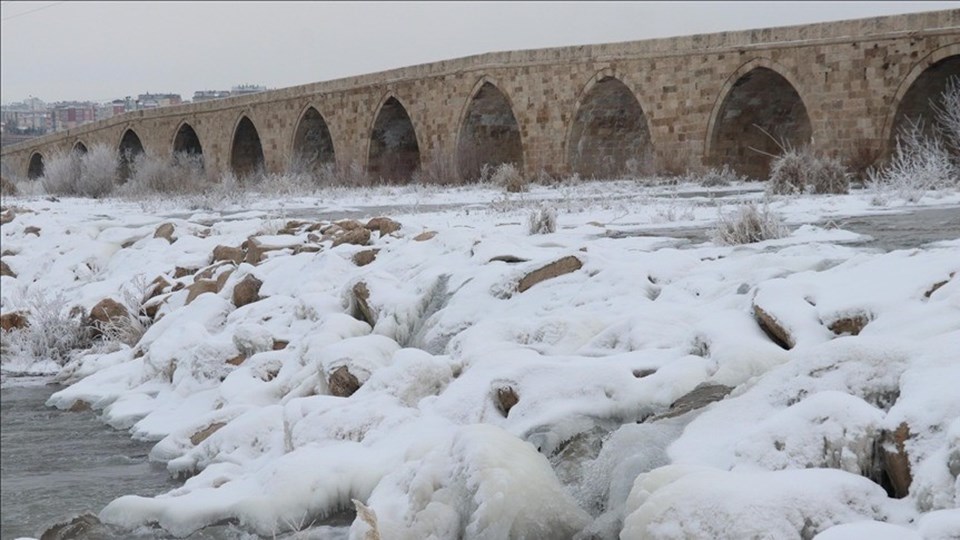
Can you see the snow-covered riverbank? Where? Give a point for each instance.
(462, 377)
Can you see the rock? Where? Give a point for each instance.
(247, 291)
(181, 272)
(280, 344)
(506, 399)
(8, 253)
(556, 268)
(227, 253)
(7, 216)
(509, 259)
(255, 251)
(222, 279)
(13, 321)
(83, 526)
(306, 249)
(349, 224)
(208, 272)
(937, 285)
(424, 236)
(165, 231)
(365, 257)
(369, 517)
(641, 373)
(80, 406)
(237, 360)
(106, 311)
(361, 298)
(152, 306)
(895, 462)
(851, 325)
(358, 236)
(5, 270)
(7, 187)
(384, 225)
(200, 287)
(699, 397)
(342, 383)
(31, 230)
(774, 330)
(202, 435)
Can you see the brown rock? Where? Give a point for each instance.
(5, 270)
(361, 297)
(180, 272)
(13, 321)
(227, 253)
(237, 360)
(306, 249)
(424, 236)
(895, 462)
(349, 224)
(358, 236)
(31, 230)
(152, 306)
(178, 286)
(83, 526)
(280, 344)
(774, 330)
(641, 373)
(317, 227)
(556, 268)
(699, 397)
(509, 259)
(937, 285)
(165, 231)
(383, 224)
(247, 291)
(851, 325)
(506, 399)
(200, 287)
(365, 257)
(208, 272)
(80, 406)
(202, 435)
(342, 383)
(312, 237)
(106, 311)
(7, 216)
(222, 279)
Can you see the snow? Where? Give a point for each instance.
(594, 356)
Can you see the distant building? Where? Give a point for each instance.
(152, 101)
(246, 89)
(70, 114)
(207, 95)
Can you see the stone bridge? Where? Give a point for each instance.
(597, 110)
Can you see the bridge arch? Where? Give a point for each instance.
(313, 144)
(923, 84)
(609, 133)
(393, 153)
(186, 141)
(246, 152)
(758, 93)
(128, 149)
(488, 133)
(35, 167)
(80, 148)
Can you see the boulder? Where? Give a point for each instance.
(222, 279)
(280, 344)
(31, 230)
(13, 321)
(701, 396)
(202, 286)
(206, 432)
(424, 236)
(106, 311)
(82, 526)
(384, 225)
(506, 399)
(509, 259)
(894, 460)
(165, 231)
(772, 328)
(342, 383)
(7, 216)
(210, 271)
(358, 236)
(247, 291)
(365, 257)
(237, 360)
(5, 270)
(181, 272)
(361, 302)
(933, 288)
(850, 325)
(80, 406)
(152, 306)
(349, 224)
(228, 253)
(556, 268)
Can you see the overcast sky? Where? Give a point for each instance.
(105, 50)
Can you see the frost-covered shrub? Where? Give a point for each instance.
(543, 220)
(98, 172)
(795, 169)
(183, 173)
(720, 177)
(61, 173)
(509, 178)
(54, 332)
(749, 224)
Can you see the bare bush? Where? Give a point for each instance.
(724, 176)
(54, 332)
(542, 220)
(61, 173)
(98, 172)
(947, 114)
(183, 173)
(748, 224)
(508, 177)
(796, 169)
